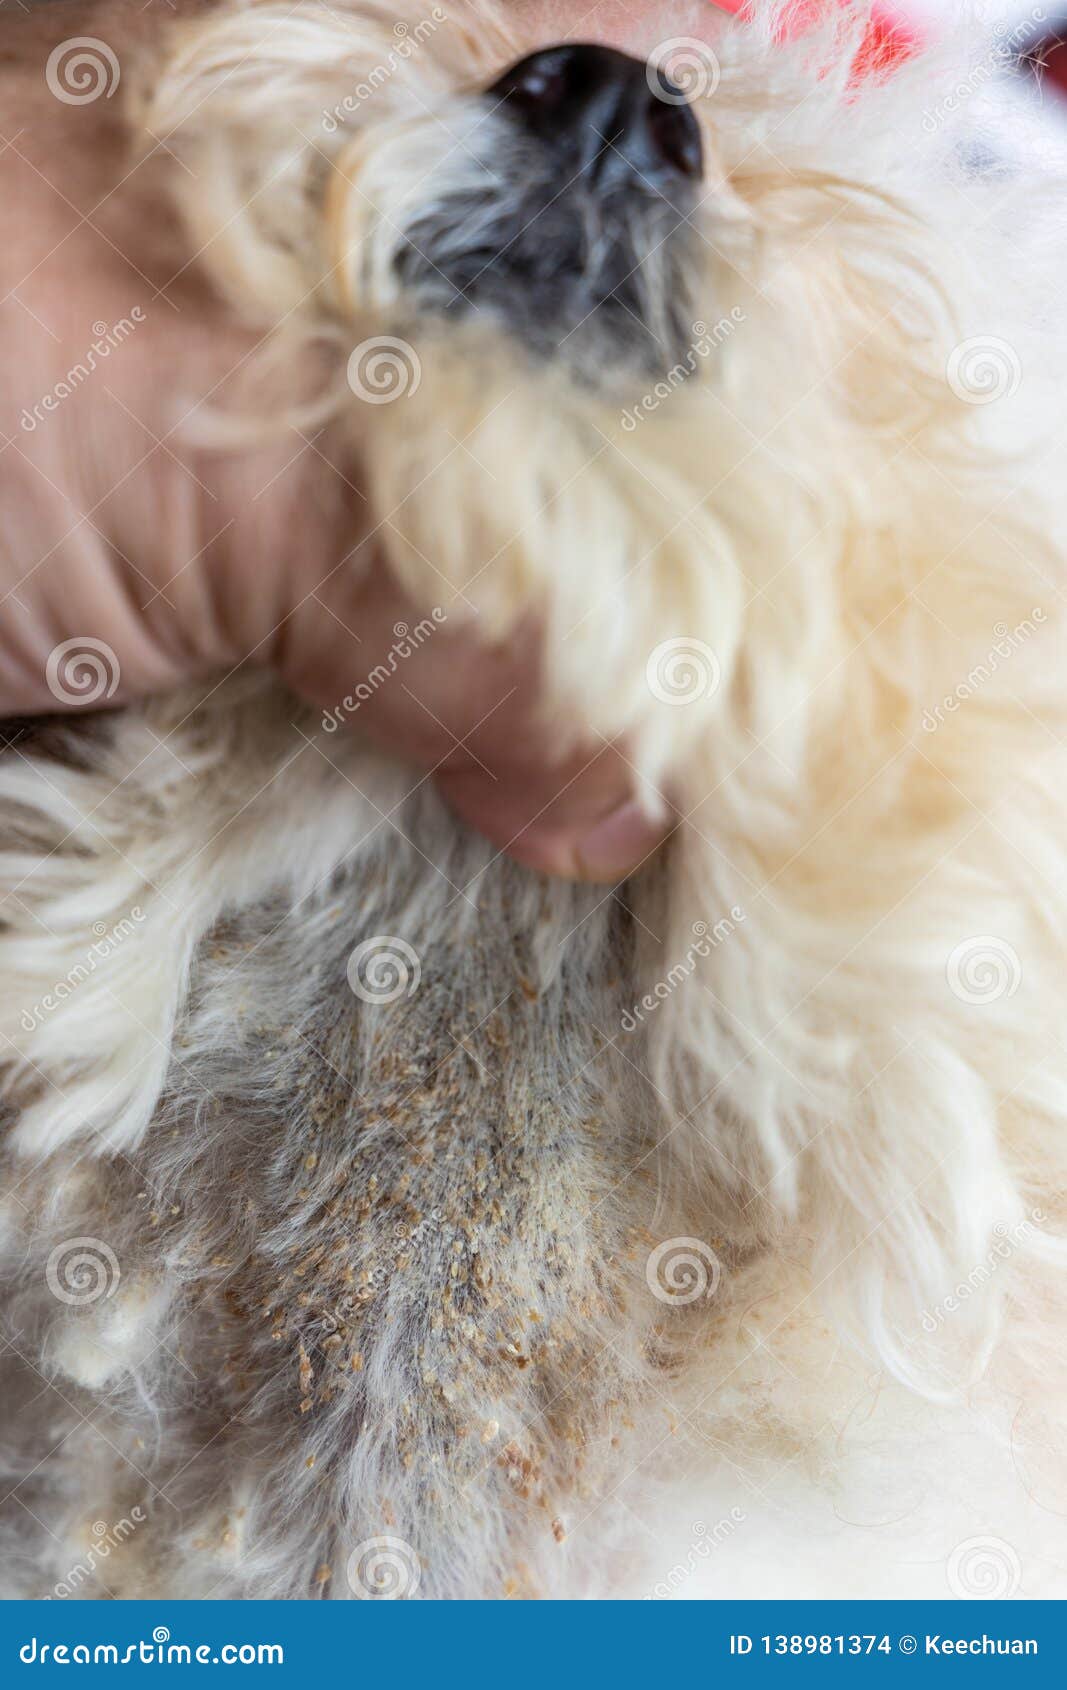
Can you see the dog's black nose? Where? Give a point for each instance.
(608, 115)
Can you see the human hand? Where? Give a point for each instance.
(168, 561)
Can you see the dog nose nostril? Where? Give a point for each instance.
(536, 86)
(604, 113)
(674, 136)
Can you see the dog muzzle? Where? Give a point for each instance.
(573, 235)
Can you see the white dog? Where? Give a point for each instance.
(386, 1219)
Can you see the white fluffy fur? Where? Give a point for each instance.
(816, 505)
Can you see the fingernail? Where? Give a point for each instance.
(618, 843)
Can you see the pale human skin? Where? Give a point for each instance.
(189, 563)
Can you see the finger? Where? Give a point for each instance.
(580, 822)
(443, 700)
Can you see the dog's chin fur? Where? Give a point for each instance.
(390, 1268)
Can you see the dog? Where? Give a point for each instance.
(384, 1219)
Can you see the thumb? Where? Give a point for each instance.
(578, 820)
(471, 714)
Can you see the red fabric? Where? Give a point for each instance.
(890, 41)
